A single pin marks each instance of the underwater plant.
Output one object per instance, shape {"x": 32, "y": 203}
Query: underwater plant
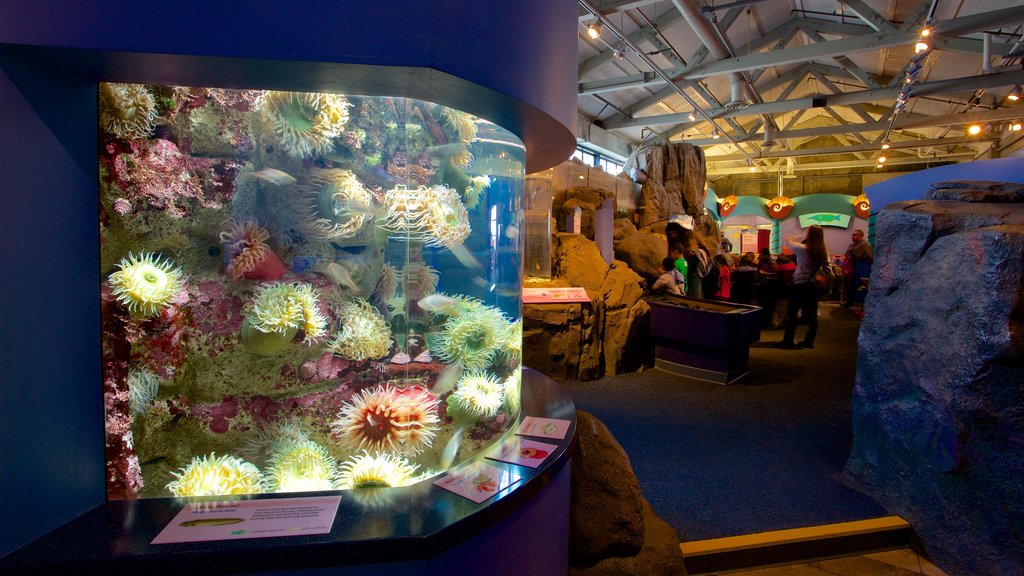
{"x": 302, "y": 467}
{"x": 214, "y": 475}
{"x": 145, "y": 284}
{"x": 279, "y": 311}
{"x": 477, "y": 394}
{"x": 306, "y": 122}
{"x": 385, "y": 418}
{"x": 127, "y": 111}
{"x": 143, "y": 387}
{"x": 435, "y": 216}
{"x": 471, "y": 336}
{"x": 363, "y": 333}
{"x": 380, "y": 471}
{"x": 334, "y": 205}
{"x": 248, "y": 254}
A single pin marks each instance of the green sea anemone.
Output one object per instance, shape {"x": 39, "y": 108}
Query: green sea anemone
{"x": 379, "y": 471}
{"x": 127, "y": 111}
{"x": 302, "y": 467}
{"x": 336, "y": 205}
{"x": 471, "y": 337}
{"x": 363, "y": 334}
{"x": 145, "y": 284}
{"x": 279, "y": 311}
{"x": 510, "y": 389}
{"x": 478, "y": 395}
{"x": 306, "y": 122}
{"x": 143, "y": 387}
{"x": 214, "y": 475}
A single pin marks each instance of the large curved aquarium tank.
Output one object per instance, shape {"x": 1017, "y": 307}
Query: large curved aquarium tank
{"x": 303, "y": 291}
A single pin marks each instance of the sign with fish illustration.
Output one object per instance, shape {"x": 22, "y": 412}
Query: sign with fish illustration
{"x": 478, "y": 481}
{"x": 824, "y": 219}
{"x": 543, "y": 427}
{"x": 238, "y": 519}
{"x": 522, "y": 452}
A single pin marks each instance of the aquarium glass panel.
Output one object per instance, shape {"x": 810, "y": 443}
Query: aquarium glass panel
{"x": 303, "y": 291}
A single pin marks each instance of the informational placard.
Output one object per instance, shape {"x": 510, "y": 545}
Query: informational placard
{"x": 478, "y": 481}
{"x": 238, "y": 519}
{"x": 748, "y": 241}
{"x": 554, "y": 295}
{"x": 543, "y": 427}
{"x": 522, "y": 452}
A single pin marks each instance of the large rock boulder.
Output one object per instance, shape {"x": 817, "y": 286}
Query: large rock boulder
{"x": 938, "y": 407}
{"x": 587, "y": 199}
{"x": 612, "y": 529}
{"x": 643, "y": 253}
{"x": 675, "y": 183}
{"x": 586, "y": 341}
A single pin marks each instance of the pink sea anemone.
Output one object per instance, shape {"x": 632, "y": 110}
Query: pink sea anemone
{"x": 247, "y": 252}
{"x": 384, "y": 418}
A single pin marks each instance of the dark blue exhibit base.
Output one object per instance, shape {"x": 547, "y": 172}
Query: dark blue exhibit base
{"x": 703, "y": 339}
{"x": 419, "y": 529}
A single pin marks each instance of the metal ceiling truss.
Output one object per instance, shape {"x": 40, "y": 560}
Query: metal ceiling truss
{"x": 870, "y": 147}
{"x": 812, "y": 166}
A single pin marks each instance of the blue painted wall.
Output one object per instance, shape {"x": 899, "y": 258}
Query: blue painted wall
{"x": 913, "y": 186}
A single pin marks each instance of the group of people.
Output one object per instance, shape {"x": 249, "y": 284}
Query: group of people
{"x": 689, "y": 269}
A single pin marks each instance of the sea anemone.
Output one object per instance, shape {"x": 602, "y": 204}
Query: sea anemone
{"x": 380, "y": 471}
{"x": 418, "y": 281}
{"x": 143, "y": 387}
{"x": 145, "y": 284}
{"x": 127, "y": 111}
{"x": 476, "y": 189}
{"x": 471, "y": 337}
{"x": 386, "y": 287}
{"x": 477, "y": 394}
{"x": 510, "y": 389}
{"x": 363, "y": 333}
{"x": 384, "y": 418}
{"x": 245, "y": 246}
{"x": 279, "y": 312}
{"x": 465, "y": 129}
{"x": 302, "y": 467}
{"x": 263, "y": 444}
{"x": 435, "y": 216}
{"x": 335, "y": 205}
{"x": 511, "y": 346}
{"x": 214, "y": 475}
{"x": 306, "y": 122}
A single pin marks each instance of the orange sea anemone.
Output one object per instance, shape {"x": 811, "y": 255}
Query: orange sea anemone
{"x": 388, "y": 419}
{"x": 247, "y": 252}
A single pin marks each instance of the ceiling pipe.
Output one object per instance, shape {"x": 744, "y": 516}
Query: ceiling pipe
{"x": 609, "y": 25}
{"x": 730, "y": 5}
{"x": 743, "y": 94}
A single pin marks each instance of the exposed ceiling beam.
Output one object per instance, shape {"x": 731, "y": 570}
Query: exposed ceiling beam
{"x": 844, "y": 99}
{"x": 867, "y": 14}
{"x": 612, "y": 7}
{"x": 661, "y": 22}
{"x": 945, "y": 28}
{"x": 945, "y": 158}
{"x": 977, "y": 116}
{"x": 953, "y": 44}
{"x": 832, "y": 150}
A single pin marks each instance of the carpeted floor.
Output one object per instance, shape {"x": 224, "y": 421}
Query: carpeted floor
{"x": 763, "y": 454}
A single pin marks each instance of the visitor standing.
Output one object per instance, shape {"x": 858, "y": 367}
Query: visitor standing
{"x": 857, "y": 268}
{"x": 810, "y": 254}
{"x": 698, "y": 262}
{"x": 724, "y": 279}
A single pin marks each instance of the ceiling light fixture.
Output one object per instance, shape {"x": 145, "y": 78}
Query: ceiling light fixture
{"x": 594, "y": 31}
{"x": 886, "y": 144}
{"x": 620, "y": 52}
{"x": 751, "y": 167}
{"x": 926, "y": 31}
{"x": 1014, "y": 94}
{"x": 882, "y": 159}
{"x": 921, "y": 46}
{"x": 1016, "y": 126}
{"x": 716, "y": 134}
{"x": 692, "y": 117}
{"x": 974, "y": 129}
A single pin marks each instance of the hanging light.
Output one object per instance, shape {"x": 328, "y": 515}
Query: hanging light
{"x": 1016, "y": 126}
{"x": 620, "y": 52}
{"x": 921, "y": 46}
{"x": 594, "y": 30}
{"x": 926, "y": 31}
{"x": 751, "y": 167}
{"x": 886, "y": 144}
{"x": 716, "y": 134}
{"x": 692, "y": 117}
{"x": 974, "y": 129}
{"x": 882, "y": 159}
{"x": 1014, "y": 94}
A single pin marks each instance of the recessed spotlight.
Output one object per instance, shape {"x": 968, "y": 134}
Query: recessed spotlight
{"x": 974, "y": 129}
{"x": 594, "y": 31}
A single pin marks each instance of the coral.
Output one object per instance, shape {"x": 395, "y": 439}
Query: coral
{"x": 143, "y": 387}
{"x": 401, "y": 421}
{"x": 386, "y": 287}
{"x": 477, "y": 394}
{"x": 472, "y": 335}
{"x": 380, "y": 471}
{"x": 145, "y": 284}
{"x": 435, "y": 216}
{"x": 214, "y": 475}
{"x": 279, "y": 311}
{"x": 157, "y": 172}
{"x": 247, "y": 252}
{"x": 332, "y": 205}
{"x": 306, "y": 122}
{"x": 363, "y": 333}
{"x": 302, "y": 467}
{"x": 127, "y": 111}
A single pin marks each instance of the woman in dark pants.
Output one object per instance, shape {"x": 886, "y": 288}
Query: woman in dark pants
{"x": 810, "y": 255}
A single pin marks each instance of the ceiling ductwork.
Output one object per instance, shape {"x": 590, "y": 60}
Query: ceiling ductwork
{"x": 738, "y": 91}
{"x": 741, "y": 90}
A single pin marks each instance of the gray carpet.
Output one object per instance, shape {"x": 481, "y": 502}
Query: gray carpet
{"x": 763, "y": 454}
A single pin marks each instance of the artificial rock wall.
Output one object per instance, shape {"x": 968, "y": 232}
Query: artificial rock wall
{"x": 938, "y": 407}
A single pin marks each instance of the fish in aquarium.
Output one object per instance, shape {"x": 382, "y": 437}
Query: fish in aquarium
{"x": 303, "y": 291}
